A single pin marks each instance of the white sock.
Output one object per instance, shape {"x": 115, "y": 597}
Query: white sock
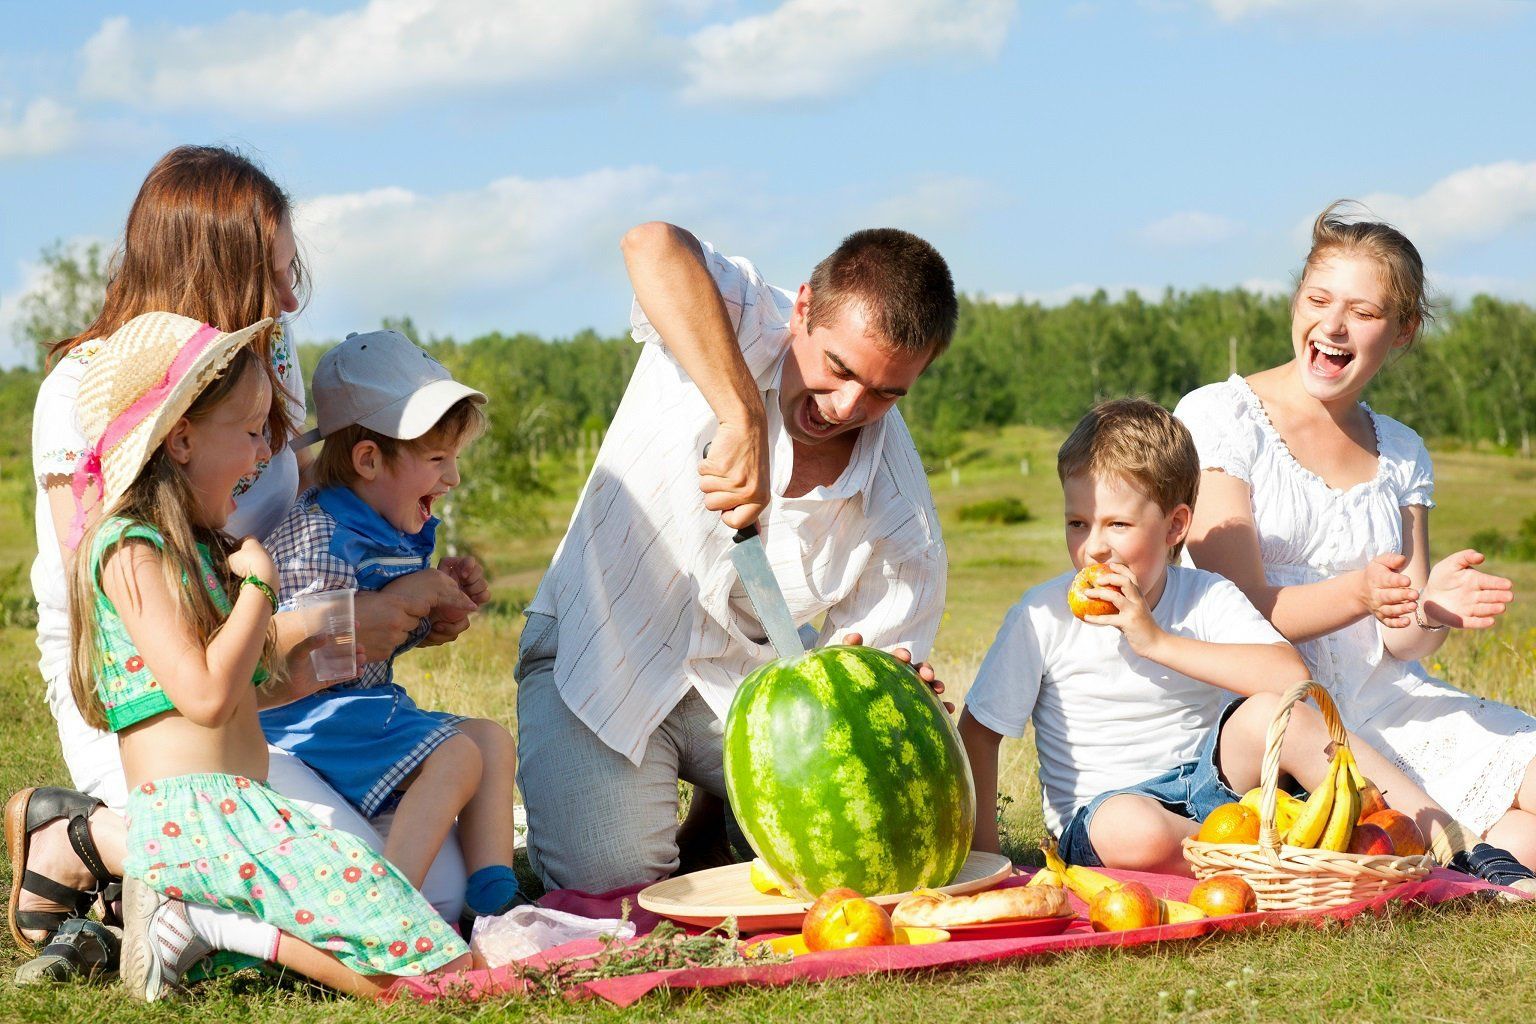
{"x": 231, "y": 930}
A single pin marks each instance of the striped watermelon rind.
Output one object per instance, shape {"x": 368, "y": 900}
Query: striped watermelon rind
{"x": 843, "y": 769}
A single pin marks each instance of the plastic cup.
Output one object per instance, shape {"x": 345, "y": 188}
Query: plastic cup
{"x": 329, "y": 614}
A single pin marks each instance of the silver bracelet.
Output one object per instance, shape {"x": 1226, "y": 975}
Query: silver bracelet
{"x": 1418, "y": 616}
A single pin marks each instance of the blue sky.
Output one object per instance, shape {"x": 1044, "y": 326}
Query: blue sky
{"x": 472, "y": 163}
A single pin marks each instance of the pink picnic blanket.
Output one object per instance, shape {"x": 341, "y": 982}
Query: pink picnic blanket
{"x": 1441, "y": 885}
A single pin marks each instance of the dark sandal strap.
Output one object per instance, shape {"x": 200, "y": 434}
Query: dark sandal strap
{"x": 85, "y": 848}
{"x": 48, "y": 921}
{"x": 57, "y": 892}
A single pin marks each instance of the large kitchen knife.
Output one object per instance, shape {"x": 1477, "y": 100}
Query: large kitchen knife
{"x": 763, "y": 591}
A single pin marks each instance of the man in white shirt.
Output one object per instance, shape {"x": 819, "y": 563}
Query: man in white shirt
{"x": 640, "y": 631}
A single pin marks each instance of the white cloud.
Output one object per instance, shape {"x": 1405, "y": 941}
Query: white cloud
{"x": 1240, "y": 10}
{"x": 391, "y": 250}
{"x": 42, "y": 128}
{"x": 300, "y": 62}
{"x": 936, "y": 203}
{"x": 807, "y": 48}
{"x": 1459, "y": 288}
{"x": 1473, "y": 204}
{"x": 1266, "y": 286}
{"x": 1190, "y": 228}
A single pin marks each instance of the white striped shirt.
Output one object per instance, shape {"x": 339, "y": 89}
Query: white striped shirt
{"x": 641, "y": 585}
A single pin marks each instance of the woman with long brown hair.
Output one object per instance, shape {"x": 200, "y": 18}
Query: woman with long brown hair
{"x": 209, "y": 236}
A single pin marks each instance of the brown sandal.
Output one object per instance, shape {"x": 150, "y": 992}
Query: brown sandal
{"x": 25, "y": 813}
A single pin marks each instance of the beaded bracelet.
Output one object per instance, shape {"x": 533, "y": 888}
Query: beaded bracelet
{"x": 263, "y": 586}
{"x": 1418, "y": 616}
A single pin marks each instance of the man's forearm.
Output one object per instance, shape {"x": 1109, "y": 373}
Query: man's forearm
{"x": 679, "y": 297}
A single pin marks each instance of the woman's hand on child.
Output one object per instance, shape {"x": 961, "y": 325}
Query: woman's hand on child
{"x": 1388, "y": 593}
{"x": 470, "y": 576}
{"x": 386, "y": 617}
{"x": 251, "y": 559}
{"x": 924, "y": 670}
{"x": 1460, "y": 595}
{"x": 1133, "y": 618}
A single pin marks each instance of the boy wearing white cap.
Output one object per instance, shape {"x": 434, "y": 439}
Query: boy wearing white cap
{"x": 394, "y": 421}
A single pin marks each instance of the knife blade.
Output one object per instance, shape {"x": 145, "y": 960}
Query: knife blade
{"x": 763, "y": 591}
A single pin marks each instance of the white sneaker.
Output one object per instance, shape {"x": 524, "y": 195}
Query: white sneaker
{"x": 159, "y": 943}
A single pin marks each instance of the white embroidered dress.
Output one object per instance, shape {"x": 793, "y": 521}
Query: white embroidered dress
{"x": 1469, "y": 753}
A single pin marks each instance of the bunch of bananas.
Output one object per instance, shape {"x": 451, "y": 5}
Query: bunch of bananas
{"x": 1327, "y": 819}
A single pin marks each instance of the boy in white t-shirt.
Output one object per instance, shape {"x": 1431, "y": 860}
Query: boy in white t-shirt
{"x": 1146, "y": 727}
{"x": 1127, "y": 707}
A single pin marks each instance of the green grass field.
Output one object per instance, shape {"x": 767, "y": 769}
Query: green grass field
{"x": 1458, "y": 963}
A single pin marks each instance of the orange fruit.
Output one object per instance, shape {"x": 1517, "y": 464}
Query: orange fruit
{"x": 1224, "y": 894}
{"x": 1077, "y": 597}
{"x": 1230, "y": 823}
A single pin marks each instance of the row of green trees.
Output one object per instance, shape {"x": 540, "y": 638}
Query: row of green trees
{"x": 1471, "y": 379}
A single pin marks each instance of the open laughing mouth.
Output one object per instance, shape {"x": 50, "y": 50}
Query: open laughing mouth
{"x": 1328, "y": 361}
{"x": 424, "y": 505}
{"x": 814, "y": 422}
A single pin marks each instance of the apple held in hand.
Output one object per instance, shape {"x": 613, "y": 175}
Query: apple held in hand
{"x": 1077, "y": 594}
{"x": 842, "y": 919}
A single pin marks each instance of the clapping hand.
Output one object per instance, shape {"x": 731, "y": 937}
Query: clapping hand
{"x": 1389, "y": 593}
{"x": 1457, "y": 594}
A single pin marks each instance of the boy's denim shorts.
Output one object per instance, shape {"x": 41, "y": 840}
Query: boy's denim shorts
{"x": 1194, "y": 789}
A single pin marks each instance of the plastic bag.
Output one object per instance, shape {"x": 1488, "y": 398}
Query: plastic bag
{"x": 526, "y": 930}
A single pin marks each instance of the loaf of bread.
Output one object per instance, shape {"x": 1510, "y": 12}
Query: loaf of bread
{"x": 926, "y": 908}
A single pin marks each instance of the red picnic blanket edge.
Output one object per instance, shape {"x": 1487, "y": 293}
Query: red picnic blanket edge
{"x": 1441, "y": 885}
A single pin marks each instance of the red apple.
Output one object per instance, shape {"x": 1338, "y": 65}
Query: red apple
{"x": 1370, "y": 839}
{"x": 1224, "y": 894}
{"x": 848, "y": 922}
{"x": 1077, "y": 594}
{"x": 1122, "y": 907}
{"x": 1407, "y": 840}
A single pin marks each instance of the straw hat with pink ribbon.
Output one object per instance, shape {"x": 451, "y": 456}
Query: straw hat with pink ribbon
{"x": 140, "y": 382}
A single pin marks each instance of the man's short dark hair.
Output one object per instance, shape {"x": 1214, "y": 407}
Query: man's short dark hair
{"x": 901, "y": 281}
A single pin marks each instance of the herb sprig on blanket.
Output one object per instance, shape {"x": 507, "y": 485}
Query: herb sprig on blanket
{"x": 666, "y": 948}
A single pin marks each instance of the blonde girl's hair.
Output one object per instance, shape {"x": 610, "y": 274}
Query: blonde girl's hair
{"x": 198, "y": 242}
{"x": 1140, "y": 442}
{"x": 161, "y": 497}
{"x": 1346, "y": 229}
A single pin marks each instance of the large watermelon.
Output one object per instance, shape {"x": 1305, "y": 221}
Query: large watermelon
{"x": 844, "y": 770}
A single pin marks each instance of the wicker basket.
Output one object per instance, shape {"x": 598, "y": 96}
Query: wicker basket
{"x": 1292, "y": 877}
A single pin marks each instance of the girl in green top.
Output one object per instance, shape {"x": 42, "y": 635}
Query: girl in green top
{"x": 173, "y": 622}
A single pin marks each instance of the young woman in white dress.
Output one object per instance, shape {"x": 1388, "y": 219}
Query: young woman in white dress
{"x": 1318, "y": 509}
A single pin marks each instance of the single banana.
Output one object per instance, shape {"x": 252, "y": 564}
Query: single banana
{"x": 1175, "y": 912}
{"x": 1046, "y": 876}
{"x": 1085, "y": 882}
{"x": 1313, "y": 819}
{"x": 1346, "y": 808}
